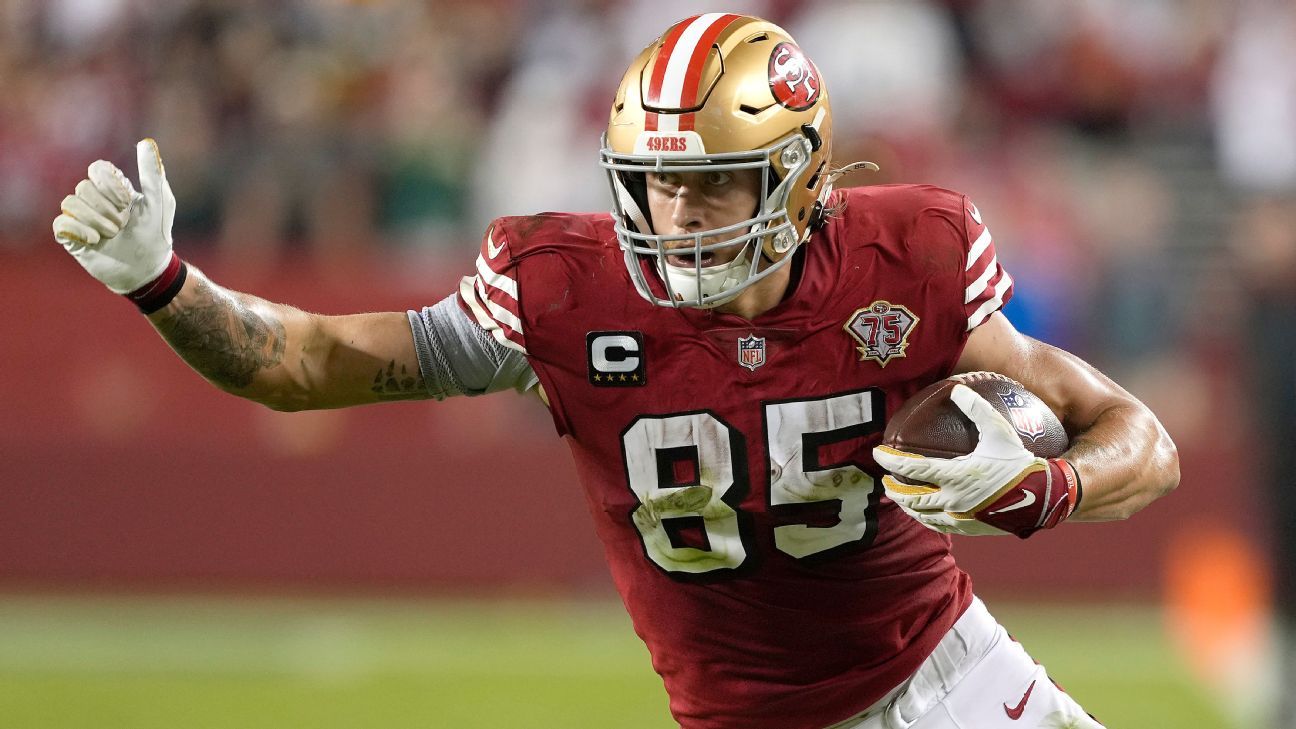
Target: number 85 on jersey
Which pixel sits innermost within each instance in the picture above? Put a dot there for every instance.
(689, 471)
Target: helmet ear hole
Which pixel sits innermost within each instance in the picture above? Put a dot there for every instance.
(814, 179)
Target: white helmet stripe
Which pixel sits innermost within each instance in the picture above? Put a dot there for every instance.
(680, 60)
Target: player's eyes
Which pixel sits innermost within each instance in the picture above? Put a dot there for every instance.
(718, 179)
(665, 179)
(702, 181)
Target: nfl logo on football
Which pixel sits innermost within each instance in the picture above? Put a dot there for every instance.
(1025, 419)
(751, 352)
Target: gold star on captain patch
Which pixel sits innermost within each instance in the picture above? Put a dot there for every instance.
(598, 378)
(623, 378)
(635, 377)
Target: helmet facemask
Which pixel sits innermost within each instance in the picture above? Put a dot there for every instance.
(765, 239)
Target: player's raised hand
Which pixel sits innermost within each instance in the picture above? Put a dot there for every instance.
(120, 236)
(1000, 483)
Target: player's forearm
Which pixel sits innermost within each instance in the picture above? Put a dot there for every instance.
(1125, 460)
(236, 341)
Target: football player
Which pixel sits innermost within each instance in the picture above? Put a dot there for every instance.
(721, 353)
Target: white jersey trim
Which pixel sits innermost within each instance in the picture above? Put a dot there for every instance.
(982, 243)
(499, 313)
(468, 293)
(990, 305)
(977, 287)
(496, 280)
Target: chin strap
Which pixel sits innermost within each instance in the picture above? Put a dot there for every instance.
(631, 207)
(692, 286)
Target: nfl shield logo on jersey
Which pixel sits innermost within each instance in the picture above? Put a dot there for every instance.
(1026, 420)
(751, 352)
(882, 329)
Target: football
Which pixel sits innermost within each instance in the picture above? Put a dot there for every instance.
(930, 424)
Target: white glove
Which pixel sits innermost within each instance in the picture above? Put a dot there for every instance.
(946, 523)
(120, 236)
(998, 488)
(969, 481)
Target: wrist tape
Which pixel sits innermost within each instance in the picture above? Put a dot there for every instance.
(1041, 500)
(160, 291)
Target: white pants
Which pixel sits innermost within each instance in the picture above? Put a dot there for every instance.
(977, 678)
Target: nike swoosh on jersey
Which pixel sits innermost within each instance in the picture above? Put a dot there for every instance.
(1028, 498)
(1016, 712)
(976, 214)
(492, 250)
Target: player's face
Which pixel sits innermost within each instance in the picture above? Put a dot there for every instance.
(687, 202)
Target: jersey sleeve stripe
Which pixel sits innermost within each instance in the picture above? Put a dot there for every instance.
(974, 253)
(496, 280)
(468, 295)
(991, 305)
(498, 312)
(978, 287)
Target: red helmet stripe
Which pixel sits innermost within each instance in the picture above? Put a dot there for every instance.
(659, 69)
(693, 76)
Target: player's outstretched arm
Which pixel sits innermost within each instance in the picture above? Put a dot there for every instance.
(285, 358)
(274, 354)
(1123, 455)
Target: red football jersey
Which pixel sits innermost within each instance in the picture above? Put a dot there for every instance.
(727, 463)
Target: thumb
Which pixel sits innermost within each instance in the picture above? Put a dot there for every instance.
(992, 426)
(896, 460)
(152, 173)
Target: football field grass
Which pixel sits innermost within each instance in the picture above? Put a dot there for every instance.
(167, 662)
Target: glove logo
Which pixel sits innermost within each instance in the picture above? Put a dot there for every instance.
(882, 329)
(1028, 498)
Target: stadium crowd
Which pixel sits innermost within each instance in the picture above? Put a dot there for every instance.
(1106, 137)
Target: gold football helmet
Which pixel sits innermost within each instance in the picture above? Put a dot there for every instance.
(719, 92)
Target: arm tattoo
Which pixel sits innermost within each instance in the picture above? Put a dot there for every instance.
(401, 384)
(223, 338)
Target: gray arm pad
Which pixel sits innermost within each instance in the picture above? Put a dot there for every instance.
(458, 357)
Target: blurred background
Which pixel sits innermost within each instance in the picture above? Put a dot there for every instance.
(170, 555)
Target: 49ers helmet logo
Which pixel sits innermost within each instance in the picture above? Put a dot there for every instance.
(793, 78)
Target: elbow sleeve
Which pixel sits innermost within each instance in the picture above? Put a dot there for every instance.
(457, 357)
